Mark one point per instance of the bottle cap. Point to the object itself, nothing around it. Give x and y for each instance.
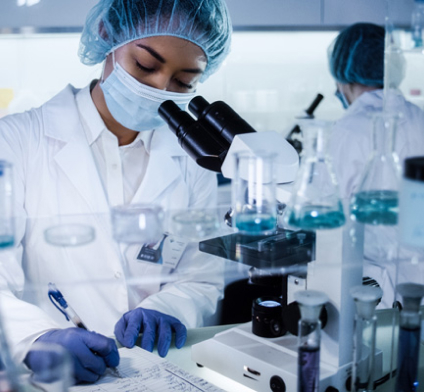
(412, 294)
(413, 168)
(366, 299)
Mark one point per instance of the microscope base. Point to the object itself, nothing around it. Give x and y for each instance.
(264, 364)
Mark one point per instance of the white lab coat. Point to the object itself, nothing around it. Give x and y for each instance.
(55, 174)
(350, 146)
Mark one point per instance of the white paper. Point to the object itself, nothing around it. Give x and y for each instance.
(146, 372)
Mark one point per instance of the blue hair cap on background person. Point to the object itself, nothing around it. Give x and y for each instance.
(357, 55)
(113, 23)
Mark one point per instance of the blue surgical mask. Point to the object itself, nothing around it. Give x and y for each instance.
(342, 98)
(135, 105)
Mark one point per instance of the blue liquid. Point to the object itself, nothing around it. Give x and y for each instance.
(6, 241)
(308, 369)
(317, 217)
(407, 365)
(375, 207)
(256, 223)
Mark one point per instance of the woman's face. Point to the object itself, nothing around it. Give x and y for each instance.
(163, 62)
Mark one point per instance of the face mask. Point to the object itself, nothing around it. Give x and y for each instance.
(135, 105)
(342, 99)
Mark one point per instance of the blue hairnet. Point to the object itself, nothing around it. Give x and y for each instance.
(357, 55)
(114, 23)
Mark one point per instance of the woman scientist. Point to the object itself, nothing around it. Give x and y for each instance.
(105, 145)
(357, 64)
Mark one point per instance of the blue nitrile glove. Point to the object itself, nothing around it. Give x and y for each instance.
(91, 352)
(151, 323)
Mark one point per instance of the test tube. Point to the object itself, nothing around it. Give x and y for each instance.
(409, 337)
(365, 325)
(309, 339)
(7, 231)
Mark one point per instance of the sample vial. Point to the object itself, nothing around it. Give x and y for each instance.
(309, 339)
(7, 229)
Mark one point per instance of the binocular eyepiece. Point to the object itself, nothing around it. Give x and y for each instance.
(208, 138)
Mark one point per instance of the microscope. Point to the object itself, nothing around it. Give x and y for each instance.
(325, 260)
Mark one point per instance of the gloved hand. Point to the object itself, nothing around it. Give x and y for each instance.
(90, 351)
(151, 323)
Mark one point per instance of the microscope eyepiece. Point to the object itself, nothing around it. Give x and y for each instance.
(198, 105)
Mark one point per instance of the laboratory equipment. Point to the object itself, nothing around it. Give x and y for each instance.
(219, 132)
(366, 299)
(253, 193)
(69, 234)
(409, 337)
(267, 317)
(7, 230)
(411, 202)
(294, 137)
(309, 339)
(329, 261)
(137, 223)
(315, 202)
(375, 201)
(417, 23)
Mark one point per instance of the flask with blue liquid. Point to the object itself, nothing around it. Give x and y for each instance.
(376, 199)
(315, 202)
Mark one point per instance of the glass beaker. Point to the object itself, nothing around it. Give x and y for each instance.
(309, 339)
(253, 193)
(409, 337)
(376, 200)
(315, 202)
(7, 230)
(365, 326)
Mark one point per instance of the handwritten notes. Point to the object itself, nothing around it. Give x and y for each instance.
(142, 371)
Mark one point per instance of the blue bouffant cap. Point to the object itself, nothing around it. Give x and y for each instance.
(114, 23)
(357, 55)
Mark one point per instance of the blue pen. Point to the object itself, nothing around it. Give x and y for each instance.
(60, 303)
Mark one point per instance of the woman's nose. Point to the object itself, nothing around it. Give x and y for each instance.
(161, 82)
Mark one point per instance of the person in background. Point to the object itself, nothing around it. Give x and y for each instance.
(356, 60)
(89, 149)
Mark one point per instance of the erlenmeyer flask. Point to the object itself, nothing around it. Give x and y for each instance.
(315, 201)
(376, 200)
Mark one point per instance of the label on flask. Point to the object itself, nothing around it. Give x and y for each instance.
(411, 213)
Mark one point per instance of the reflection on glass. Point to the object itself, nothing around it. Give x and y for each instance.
(69, 235)
(137, 223)
(194, 224)
(253, 194)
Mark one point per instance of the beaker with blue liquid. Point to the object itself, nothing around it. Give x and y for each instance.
(254, 193)
(315, 202)
(376, 200)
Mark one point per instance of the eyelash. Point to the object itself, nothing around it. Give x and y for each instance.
(151, 70)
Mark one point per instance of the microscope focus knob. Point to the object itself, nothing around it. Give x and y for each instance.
(277, 384)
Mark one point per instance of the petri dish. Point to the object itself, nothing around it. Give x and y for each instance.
(69, 235)
(194, 224)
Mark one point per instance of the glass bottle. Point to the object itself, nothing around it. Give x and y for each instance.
(309, 339)
(376, 199)
(7, 230)
(315, 201)
(254, 194)
(409, 337)
(365, 325)
(417, 23)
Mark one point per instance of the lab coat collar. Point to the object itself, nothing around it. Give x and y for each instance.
(62, 122)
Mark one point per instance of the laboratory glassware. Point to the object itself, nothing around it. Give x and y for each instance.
(411, 203)
(253, 193)
(137, 223)
(315, 201)
(309, 339)
(7, 230)
(417, 23)
(365, 325)
(375, 201)
(70, 234)
(194, 224)
(409, 337)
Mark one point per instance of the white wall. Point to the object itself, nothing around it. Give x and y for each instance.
(269, 77)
